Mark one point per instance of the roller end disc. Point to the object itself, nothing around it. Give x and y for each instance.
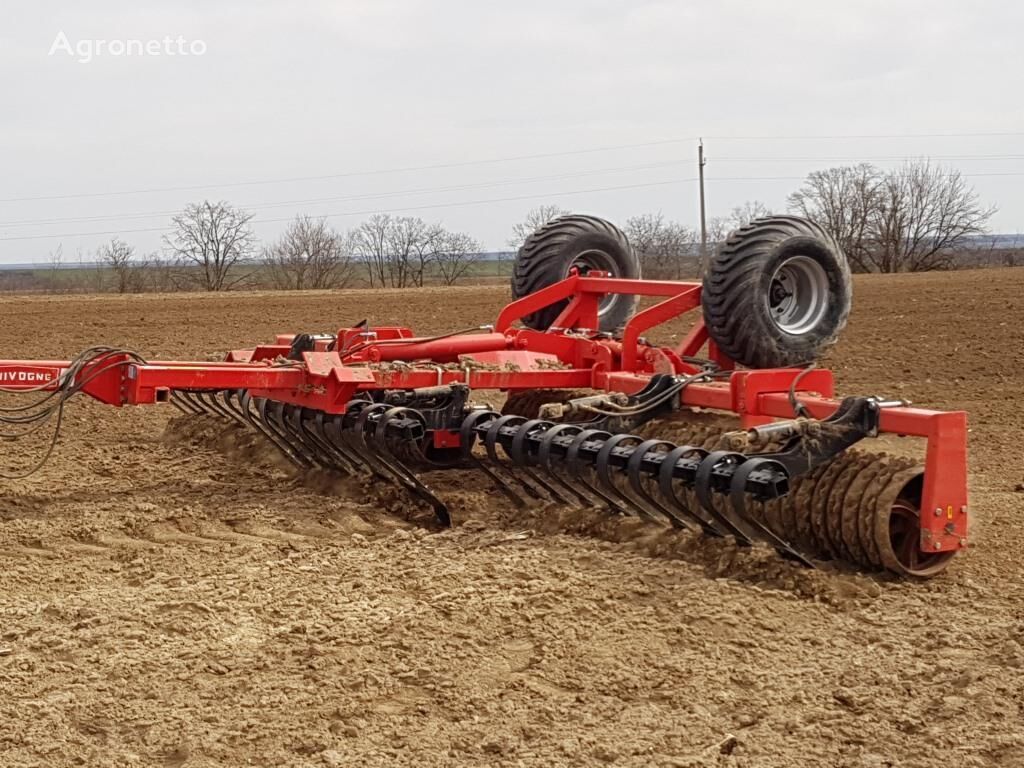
(898, 530)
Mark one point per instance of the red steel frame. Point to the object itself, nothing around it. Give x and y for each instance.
(570, 355)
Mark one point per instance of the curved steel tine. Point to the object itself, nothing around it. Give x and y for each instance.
(467, 437)
(705, 494)
(633, 466)
(216, 407)
(194, 401)
(738, 497)
(572, 461)
(292, 416)
(250, 411)
(201, 398)
(407, 477)
(367, 432)
(179, 401)
(544, 460)
(348, 430)
(276, 434)
(341, 438)
(666, 484)
(604, 467)
(491, 446)
(278, 412)
(232, 407)
(268, 431)
(521, 456)
(314, 425)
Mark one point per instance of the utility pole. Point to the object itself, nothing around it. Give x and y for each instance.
(703, 224)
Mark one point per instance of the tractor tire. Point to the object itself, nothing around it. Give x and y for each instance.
(587, 243)
(777, 293)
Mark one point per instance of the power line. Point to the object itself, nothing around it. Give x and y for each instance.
(350, 174)
(465, 203)
(371, 196)
(373, 211)
(507, 182)
(489, 161)
(861, 158)
(988, 134)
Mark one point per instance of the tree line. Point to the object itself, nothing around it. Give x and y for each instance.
(912, 218)
(915, 217)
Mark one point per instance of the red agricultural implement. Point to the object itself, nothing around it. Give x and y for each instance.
(641, 439)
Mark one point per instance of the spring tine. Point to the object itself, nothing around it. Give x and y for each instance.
(702, 485)
(232, 407)
(251, 415)
(544, 459)
(738, 496)
(193, 401)
(467, 437)
(213, 403)
(575, 466)
(353, 432)
(292, 417)
(343, 440)
(490, 444)
(179, 401)
(667, 486)
(273, 429)
(636, 483)
(198, 397)
(313, 423)
(417, 486)
(603, 466)
(278, 411)
(524, 459)
(357, 414)
(373, 440)
(302, 419)
(189, 402)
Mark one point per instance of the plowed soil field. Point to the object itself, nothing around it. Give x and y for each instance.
(172, 597)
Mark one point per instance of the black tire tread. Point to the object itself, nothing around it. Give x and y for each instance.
(540, 263)
(731, 283)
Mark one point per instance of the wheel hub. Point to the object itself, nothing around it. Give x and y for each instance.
(798, 295)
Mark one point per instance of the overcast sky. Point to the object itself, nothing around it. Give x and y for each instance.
(244, 93)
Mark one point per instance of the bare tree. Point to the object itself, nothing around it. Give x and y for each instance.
(456, 254)
(845, 201)
(308, 255)
(535, 218)
(913, 218)
(167, 274)
(666, 249)
(368, 243)
(56, 260)
(396, 250)
(118, 257)
(742, 215)
(414, 245)
(925, 214)
(216, 239)
(719, 227)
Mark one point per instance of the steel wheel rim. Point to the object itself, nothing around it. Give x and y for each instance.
(587, 261)
(798, 295)
(905, 537)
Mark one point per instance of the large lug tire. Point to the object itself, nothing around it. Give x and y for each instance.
(586, 243)
(777, 293)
